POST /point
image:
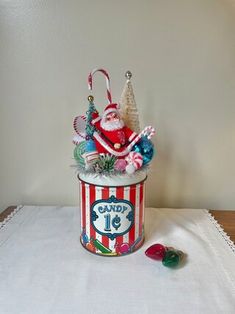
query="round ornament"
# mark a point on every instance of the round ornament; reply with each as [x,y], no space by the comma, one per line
[90,98]
[145,148]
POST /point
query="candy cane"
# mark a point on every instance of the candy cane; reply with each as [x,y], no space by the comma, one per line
[90,77]
[148,131]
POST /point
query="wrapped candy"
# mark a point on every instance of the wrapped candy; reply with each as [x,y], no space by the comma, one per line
[135,161]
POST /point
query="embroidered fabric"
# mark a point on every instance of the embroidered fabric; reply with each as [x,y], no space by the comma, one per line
[220,229]
[45,270]
[224,235]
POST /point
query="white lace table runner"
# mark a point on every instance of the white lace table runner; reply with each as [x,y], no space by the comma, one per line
[44,269]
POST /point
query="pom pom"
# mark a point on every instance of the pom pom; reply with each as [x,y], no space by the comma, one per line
[120,165]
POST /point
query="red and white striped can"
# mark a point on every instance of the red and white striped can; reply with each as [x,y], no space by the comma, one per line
[112,214]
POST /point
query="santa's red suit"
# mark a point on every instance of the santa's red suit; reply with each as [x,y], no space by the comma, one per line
[110,138]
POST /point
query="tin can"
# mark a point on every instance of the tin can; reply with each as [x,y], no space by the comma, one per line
[112,214]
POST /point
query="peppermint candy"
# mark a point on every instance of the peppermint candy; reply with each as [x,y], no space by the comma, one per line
[135,160]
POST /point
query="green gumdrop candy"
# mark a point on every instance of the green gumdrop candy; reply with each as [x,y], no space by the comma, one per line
[171,259]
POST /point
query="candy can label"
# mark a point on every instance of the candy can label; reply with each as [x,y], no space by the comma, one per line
[112,218]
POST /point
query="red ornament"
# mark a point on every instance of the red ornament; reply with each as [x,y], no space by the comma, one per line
[156,251]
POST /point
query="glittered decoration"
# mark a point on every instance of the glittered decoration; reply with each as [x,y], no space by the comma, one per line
[145,148]
[90,129]
[79,151]
[128,105]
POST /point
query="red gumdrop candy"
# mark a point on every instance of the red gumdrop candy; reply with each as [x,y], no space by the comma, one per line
[156,251]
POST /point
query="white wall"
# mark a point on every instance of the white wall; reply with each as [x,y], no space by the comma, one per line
[182,55]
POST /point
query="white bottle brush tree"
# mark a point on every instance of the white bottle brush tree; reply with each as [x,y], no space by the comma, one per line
[129,110]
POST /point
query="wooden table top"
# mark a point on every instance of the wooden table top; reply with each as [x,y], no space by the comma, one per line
[226,218]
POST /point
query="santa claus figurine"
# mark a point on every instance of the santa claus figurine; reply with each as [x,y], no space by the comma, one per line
[111,135]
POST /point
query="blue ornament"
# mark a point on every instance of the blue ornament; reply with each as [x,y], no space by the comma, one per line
[90,146]
[145,148]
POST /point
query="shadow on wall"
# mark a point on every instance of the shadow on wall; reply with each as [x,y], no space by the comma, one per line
[176,178]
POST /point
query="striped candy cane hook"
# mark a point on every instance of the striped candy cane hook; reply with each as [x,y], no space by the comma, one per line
[108,90]
[148,131]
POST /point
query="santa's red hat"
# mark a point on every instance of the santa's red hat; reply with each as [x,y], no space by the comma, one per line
[111,108]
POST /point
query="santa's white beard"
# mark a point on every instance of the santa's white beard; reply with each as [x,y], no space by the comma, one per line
[111,125]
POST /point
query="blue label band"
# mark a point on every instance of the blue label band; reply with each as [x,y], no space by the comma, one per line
[112,217]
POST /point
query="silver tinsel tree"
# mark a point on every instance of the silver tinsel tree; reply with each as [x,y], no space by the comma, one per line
[129,110]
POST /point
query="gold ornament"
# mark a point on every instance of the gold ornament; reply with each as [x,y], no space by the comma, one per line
[90,98]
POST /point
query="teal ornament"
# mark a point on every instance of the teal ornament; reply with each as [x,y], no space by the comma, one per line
[90,146]
[79,151]
[145,148]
